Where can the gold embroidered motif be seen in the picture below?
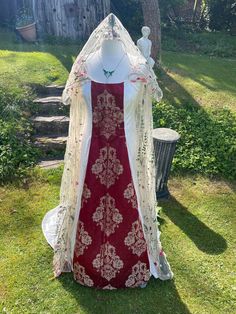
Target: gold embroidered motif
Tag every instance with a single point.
(140, 275)
(83, 240)
(107, 116)
(107, 167)
(107, 215)
(129, 194)
(85, 195)
(81, 276)
(135, 239)
(107, 262)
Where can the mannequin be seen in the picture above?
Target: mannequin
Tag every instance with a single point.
(111, 57)
(145, 45)
(105, 228)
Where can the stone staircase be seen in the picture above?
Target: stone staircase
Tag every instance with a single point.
(51, 123)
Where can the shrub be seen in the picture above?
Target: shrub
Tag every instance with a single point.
(16, 151)
(213, 44)
(208, 138)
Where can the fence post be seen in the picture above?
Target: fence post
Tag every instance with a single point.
(165, 141)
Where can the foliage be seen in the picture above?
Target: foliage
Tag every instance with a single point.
(130, 13)
(16, 151)
(168, 7)
(216, 44)
(222, 14)
(207, 143)
(24, 17)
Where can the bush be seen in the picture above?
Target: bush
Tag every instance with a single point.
(208, 138)
(208, 43)
(16, 151)
(222, 14)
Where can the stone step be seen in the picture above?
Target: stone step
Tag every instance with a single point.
(57, 125)
(50, 144)
(54, 90)
(51, 105)
(50, 164)
(50, 90)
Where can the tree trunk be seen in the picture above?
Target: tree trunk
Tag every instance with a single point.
(71, 19)
(152, 19)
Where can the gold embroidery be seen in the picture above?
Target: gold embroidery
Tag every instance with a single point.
(83, 240)
(85, 195)
(107, 167)
(81, 276)
(107, 116)
(107, 215)
(140, 275)
(107, 262)
(135, 239)
(129, 194)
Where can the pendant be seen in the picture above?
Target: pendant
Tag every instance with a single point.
(108, 73)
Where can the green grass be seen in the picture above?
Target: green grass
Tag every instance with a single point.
(25, 64)
(202, 80)
(198, 225)
(198, 222)
(205, 81)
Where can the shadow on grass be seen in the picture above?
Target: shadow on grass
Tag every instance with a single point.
(215, 74)
(158, 297)
(204, 238)
(173, 92)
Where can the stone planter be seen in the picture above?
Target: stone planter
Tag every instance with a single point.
(28, 32)
(165, 141)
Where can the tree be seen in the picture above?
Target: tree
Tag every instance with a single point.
(152, 19)
(222, 14)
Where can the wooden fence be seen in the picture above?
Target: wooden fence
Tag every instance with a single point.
(66, 18)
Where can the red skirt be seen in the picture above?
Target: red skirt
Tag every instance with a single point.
(110, 250)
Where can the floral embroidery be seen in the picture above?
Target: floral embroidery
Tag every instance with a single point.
(107, 116)
(107, 262)
(81, 276)
(107, 167)
(135, 239)
(85, 195)
(140, 275)
(107, 215)
(83, 240)
(129, 193)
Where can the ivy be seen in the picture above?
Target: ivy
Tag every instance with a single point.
(208, 138)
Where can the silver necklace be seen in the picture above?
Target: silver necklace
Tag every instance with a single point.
(108, 73)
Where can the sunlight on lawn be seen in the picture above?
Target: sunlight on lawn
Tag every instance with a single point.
(210, 81)
(194, 235)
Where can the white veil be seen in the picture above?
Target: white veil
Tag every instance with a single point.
(69, 196)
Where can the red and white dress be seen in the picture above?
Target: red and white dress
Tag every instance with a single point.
(110, 249)
(105, 228)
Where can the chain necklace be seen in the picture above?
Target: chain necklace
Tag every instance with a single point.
(110, 73)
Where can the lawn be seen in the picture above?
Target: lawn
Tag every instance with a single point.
(198, 226)
(198, 79)
(202, 80)
(197, 222)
